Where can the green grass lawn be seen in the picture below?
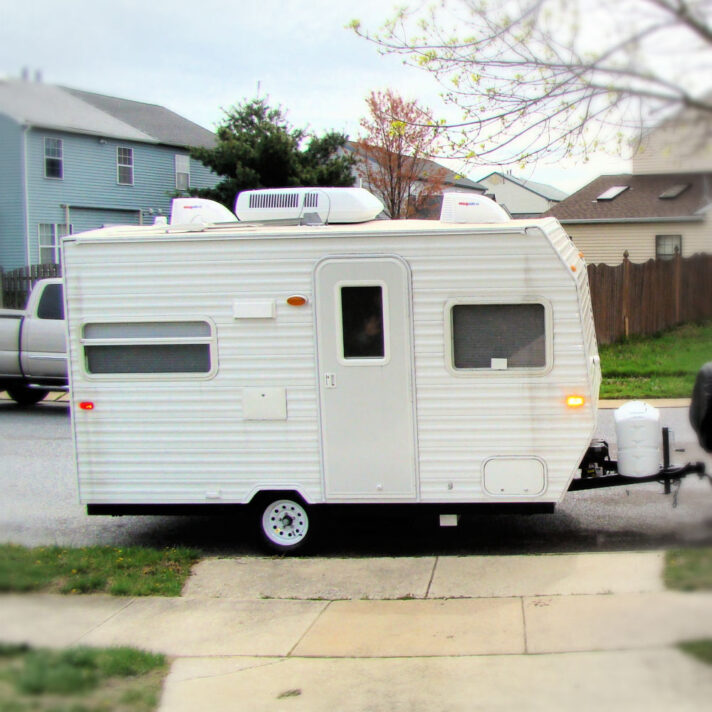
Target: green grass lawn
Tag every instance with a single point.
(128, 571)
(661, 366)
(79, 679)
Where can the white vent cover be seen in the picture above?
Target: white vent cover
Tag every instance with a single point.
(199, 211)
(471, 208)
(332, 205)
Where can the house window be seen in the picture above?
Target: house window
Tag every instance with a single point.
(49, 236)
(182, 172)
(498, 336)
(124, 165)
(168, 348)
(666, 245)
(54, 161)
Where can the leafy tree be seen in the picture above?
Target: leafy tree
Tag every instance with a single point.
(531, 78)
(399, 137)
(257, 148)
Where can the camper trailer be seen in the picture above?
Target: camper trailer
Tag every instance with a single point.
(308, 354)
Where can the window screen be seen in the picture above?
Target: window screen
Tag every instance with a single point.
(135, 347)
(148, 358)
(514, 334)
(362, 322)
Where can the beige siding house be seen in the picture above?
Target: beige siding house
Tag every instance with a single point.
(522, 198)
(649, 216)
(681, 144)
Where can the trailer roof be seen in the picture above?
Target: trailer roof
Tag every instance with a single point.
(246, 230)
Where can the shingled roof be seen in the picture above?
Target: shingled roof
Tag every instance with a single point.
(53, 107)
(669, 196)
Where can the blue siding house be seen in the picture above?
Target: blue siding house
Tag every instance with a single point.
(72, 161)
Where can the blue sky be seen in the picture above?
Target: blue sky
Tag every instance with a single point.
(201, 56)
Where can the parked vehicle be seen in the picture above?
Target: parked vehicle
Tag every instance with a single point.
(447, 364)
(33, 353)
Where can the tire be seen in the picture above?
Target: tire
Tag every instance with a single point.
(285, 523)
(24, 396)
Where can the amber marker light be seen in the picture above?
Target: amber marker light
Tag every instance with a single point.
(297, 300)
(575, 401)
(86, 405)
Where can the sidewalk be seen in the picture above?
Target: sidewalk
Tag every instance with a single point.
(429, 633)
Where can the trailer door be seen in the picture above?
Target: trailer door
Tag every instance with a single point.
(364, 334)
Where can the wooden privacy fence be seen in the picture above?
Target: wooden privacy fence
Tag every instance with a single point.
(17, 283)
(645, 298)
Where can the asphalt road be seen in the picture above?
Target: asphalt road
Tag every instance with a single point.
(39, 507)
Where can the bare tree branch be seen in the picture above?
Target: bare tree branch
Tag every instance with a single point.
(530, 78)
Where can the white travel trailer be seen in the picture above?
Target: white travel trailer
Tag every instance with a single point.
(288, 367)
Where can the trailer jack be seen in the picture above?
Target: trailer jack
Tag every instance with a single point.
(598, 470)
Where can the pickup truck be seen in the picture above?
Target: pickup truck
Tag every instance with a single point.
(33, 349)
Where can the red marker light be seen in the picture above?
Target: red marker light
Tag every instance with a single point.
(86, 405)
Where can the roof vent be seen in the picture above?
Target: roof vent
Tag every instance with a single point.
(198, 211)
(471, 208)
(333, 205)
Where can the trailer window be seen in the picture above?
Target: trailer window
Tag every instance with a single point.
(362, 322)
(168, 348)
(498, 336)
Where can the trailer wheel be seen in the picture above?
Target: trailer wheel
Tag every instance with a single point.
(284, 524)
(22, 395)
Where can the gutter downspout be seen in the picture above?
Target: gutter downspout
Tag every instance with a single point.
(26, 196)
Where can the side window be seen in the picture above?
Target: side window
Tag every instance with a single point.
(182, 166)
(362, 322)
(53, 158)
(124, 165)
(133, 348)
(51, 304)
(498, 336)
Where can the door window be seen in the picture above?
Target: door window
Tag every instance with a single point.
(362, 322)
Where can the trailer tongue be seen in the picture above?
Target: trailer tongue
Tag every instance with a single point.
(640, 445)
(598, 470)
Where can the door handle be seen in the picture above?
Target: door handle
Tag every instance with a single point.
(329, 380)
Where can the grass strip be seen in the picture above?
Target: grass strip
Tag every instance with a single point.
(700, 649)
(127, 571)
(660, 366)
(688, 569)
(86, 679)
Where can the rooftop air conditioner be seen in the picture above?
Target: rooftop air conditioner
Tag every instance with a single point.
(308, 205)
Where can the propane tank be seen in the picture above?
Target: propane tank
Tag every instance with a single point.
(639, 439)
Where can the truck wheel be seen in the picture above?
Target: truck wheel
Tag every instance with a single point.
(284, 523)
(23, 395)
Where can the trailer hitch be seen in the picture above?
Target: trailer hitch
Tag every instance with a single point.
(598, 470)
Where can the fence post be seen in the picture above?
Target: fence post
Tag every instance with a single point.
(678, 283)
(626, 295)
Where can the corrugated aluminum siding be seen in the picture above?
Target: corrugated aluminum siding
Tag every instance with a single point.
(178, 440)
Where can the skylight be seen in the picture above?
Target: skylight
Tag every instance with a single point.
(674, 190)
(613, 192)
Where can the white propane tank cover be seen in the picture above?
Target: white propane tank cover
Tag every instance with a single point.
(639, 439)
(195, 211)
(471, 208)
(331, 205)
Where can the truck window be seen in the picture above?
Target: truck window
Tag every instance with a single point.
(498, 336)
(51, 304)
(168, 348)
